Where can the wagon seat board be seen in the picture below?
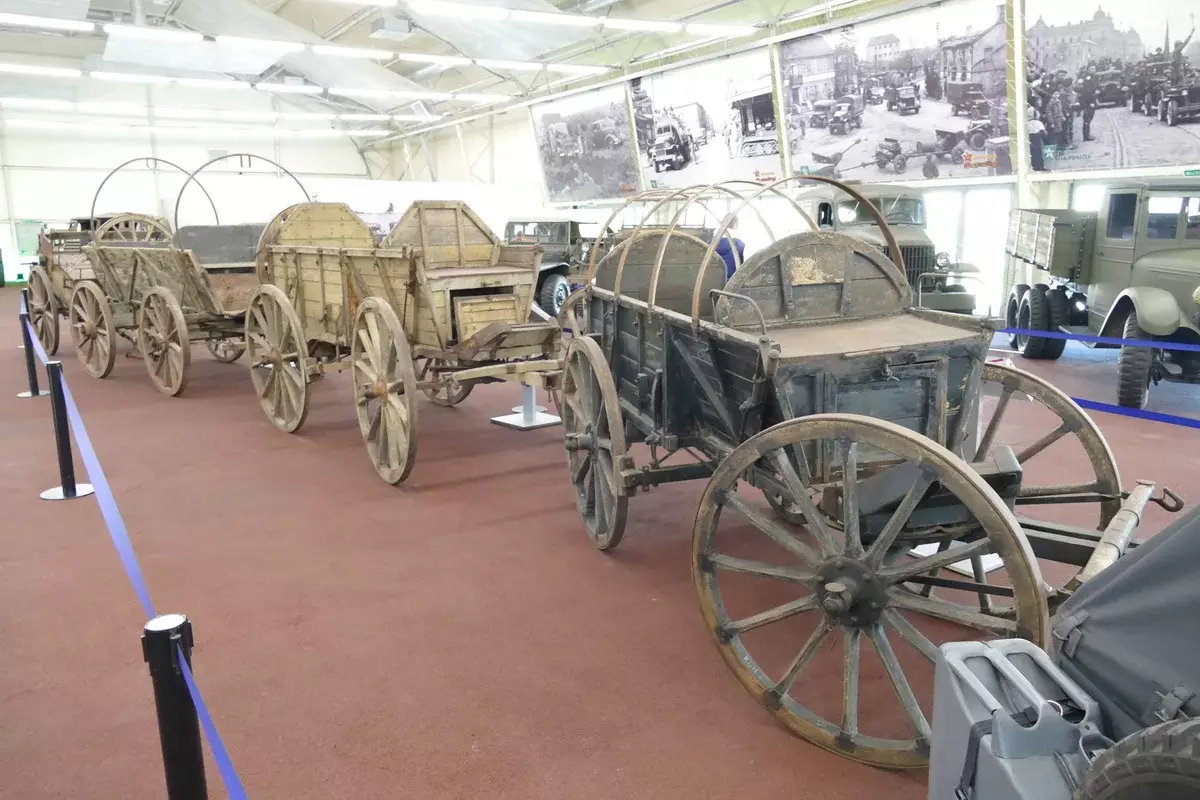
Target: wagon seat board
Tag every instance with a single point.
(222, 259)
(472, 292)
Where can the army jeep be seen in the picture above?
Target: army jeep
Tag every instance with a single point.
(936, 280)
(1129, 272)
(565, 242)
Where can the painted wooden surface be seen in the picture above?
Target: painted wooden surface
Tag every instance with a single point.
(676, 279)
(213, 245)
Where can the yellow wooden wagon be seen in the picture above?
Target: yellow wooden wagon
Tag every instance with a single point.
(439, 306)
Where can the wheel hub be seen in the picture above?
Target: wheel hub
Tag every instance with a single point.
(380, 388)
(850, 593)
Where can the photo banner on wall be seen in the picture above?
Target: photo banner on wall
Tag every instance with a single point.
(707, 123)
(583, 143)
(922, 94)
(1112, 85)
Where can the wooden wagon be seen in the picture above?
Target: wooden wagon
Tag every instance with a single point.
(439, 306)
(855, 454)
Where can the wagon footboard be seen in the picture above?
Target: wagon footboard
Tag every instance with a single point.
(502, 340)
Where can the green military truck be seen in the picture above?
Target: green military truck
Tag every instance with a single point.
(565, 241)
(1130, 271)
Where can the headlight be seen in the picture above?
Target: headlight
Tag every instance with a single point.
(1196, 296)
(942, 260)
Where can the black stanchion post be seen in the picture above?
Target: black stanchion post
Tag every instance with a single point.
(30, 364)
(163, 639)
(24, 307)
(68, 489)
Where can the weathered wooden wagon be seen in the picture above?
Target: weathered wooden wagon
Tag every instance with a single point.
(853, 448)
(439, 306)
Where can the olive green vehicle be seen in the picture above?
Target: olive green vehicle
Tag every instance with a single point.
(565, 242)
(937, 281)
(1130, 271)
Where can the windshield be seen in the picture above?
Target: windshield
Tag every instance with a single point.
(895, 210)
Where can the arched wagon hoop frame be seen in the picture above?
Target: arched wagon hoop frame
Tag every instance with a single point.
(889, 239)
(250, 160)
(148, 160)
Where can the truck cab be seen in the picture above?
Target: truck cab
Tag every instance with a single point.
(565, 243)
(672, 146)
(936, 280)
(1132, 271)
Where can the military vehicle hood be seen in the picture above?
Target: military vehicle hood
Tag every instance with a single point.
(906, 235)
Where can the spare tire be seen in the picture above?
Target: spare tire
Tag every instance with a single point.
(1159, 763)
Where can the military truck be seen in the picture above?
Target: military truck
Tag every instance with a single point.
(1181, 101)
(936, 280)
(966, 97)
(1130, 271)
(565, 241)
(673, 145)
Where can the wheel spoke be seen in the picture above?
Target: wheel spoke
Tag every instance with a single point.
(880, 547)
(854, 548)
(908, 699)
(801, 498)
(268, 385)
(802, 658)
(581, 468)
(761, 569)
(1042, 443)
(780, 612)
(773, 529)
(985, 444)
(852, 643)
(368, 371)
(951, 555)
(952, 612)
(909, 633)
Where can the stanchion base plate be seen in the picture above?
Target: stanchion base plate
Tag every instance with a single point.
(536, 409)
(519, 421)
(81, 490)
(27, 395)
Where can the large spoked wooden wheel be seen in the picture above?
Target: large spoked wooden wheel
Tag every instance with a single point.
(91, 324)
(163, 340)
(43, 310)
(447, 391)
(226, 351)
(385, 389)
(779, 599)
(595, 440)
(133, 228)
(278, 355)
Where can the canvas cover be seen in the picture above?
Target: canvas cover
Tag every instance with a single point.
(1131, 636)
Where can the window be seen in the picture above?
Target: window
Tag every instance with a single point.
(1162, 221)
(825, 215)
(1122, 211)
(1193, 218)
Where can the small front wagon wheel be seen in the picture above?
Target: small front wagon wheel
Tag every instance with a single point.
(163, 341)
(226, 351)
(595, 441)
(43, 309)
(777, 598)
(385, 389)
(278, 355)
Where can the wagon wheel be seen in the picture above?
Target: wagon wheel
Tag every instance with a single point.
(385, 389)
(817, 580)
(595, 441)
(92, 331)
(133, 228)
(43, 310)
(226, 351)
(448, 391)
(163, 340)
(278, 357)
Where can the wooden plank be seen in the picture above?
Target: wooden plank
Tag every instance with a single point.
(442, 256)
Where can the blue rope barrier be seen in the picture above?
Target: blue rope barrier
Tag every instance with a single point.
(1137, 413)
(120, 539)
(1079, 337)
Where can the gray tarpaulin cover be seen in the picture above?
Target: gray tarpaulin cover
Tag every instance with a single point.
(1131, 636)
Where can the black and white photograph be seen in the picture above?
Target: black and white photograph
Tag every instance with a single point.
(1112, 86)
(583, 143)
(921, 94)
(708, 123)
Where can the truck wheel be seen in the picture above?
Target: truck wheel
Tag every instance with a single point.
(1162, 761)
(1133, 367)
(977, 141)
(1172, 113)
(1033, 314)
(1162, 110)
(1010, 310)
(553, 293)
(1148, 105)
(1060, 315)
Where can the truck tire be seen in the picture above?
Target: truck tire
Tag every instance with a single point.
(1010, 311)
(1161, 762)
(1033, 314)
(1133, 367)
(1172, 113)
(553, 292)
(1060, 315)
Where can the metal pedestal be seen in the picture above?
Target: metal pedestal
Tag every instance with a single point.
(528, 415)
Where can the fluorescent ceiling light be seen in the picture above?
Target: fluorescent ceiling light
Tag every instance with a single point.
(129, 77)
(350, 52)
(243, 43)
(209, 83)
(496, 63)
(416, 117)
(289, 88)
(30, 102)
(366, 132)
(464, 10)
(649, 25)
(307, 115)
(410, 95)
(423, 95)
(112, 109)
(364, 117)
(146, 32)
(481, 98)
(376, 3)
(206, 113)
(426, 58)
(550, 18)
(351, 92)
(577, 69)
(34, 69)
(731, 31)
(46, 23)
